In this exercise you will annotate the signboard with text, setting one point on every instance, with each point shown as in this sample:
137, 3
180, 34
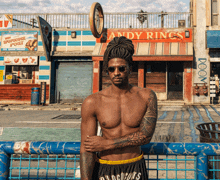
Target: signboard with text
20, 60
19, 41
6, 21
147, 35
1, 75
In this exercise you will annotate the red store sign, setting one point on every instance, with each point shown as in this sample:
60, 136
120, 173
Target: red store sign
147, 35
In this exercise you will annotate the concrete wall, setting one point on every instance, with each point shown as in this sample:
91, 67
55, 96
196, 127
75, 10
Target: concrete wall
63, 43
201, 68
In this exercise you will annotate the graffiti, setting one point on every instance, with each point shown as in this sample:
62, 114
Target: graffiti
202, 69
22, 147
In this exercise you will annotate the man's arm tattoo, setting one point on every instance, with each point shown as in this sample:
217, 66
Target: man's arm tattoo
147, 127
87, 162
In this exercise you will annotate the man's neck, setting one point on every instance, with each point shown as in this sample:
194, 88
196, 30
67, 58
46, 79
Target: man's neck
120, 90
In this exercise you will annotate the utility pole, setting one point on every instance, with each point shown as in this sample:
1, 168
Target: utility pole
33, 21
162, 18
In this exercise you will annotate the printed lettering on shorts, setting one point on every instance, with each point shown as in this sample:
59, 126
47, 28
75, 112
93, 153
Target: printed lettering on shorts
123, 176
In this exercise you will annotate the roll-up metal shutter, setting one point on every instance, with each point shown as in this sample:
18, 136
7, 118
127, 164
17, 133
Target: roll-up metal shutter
73, 81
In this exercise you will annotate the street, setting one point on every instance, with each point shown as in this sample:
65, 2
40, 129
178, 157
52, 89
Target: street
175, 124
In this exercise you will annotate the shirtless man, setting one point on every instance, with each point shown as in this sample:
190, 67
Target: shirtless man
127, 116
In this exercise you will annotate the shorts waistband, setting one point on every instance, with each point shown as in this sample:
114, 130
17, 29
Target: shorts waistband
102, 161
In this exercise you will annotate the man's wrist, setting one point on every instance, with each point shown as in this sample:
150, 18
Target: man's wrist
109, 144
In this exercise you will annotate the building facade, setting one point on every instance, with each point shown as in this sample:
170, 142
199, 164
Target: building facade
72, 64
163, 60
69, 59
23, 64
206, 69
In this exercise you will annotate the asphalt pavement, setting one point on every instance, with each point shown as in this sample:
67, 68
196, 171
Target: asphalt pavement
62, 122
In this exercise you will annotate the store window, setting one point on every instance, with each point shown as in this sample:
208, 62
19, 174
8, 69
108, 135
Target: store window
20, 74
215, 73
215, 12
215, 69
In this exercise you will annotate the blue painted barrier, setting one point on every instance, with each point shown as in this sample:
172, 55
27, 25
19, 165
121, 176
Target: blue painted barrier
200, 152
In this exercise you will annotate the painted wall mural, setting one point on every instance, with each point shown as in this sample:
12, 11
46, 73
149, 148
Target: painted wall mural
202, 70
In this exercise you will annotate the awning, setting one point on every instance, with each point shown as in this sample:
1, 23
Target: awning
154, 51
71, 53
213, 38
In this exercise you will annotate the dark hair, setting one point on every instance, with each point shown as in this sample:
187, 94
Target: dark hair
119, 47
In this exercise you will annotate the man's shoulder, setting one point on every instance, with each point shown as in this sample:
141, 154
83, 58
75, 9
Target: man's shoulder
90, 100
93, 99
145, 92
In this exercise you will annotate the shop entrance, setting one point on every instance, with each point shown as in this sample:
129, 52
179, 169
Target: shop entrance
175, 81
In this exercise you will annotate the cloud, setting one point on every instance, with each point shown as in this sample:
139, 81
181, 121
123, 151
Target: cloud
24, 6
145, 5
43, 6
83, 6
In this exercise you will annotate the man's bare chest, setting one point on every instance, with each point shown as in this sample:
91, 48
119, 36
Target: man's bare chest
121, 111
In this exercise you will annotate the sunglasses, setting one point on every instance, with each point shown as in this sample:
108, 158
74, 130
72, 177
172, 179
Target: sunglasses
120, 68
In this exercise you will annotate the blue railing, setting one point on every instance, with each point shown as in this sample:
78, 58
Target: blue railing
60, 160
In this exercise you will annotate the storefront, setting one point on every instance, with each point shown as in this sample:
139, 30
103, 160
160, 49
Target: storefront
213, 43
162, 61
24, 63
72, 66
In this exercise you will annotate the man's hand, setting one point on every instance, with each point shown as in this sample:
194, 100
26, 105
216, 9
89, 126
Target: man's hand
95, 144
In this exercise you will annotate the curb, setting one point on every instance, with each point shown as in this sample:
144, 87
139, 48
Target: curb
39, 108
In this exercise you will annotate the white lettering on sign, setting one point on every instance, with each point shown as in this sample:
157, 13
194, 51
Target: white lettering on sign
163, 35
149, 35
130, 35
95, 70
138, 35
122, 176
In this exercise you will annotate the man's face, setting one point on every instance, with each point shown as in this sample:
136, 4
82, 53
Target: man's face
118, 70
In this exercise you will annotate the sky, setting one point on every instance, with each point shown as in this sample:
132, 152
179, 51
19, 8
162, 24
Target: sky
83, 6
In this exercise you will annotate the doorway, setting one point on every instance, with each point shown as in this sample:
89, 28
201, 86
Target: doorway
175, 81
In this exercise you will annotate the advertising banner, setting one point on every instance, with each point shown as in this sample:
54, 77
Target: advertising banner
6, 21
1, 75
9, 76
20, 60
19, 41
46, 34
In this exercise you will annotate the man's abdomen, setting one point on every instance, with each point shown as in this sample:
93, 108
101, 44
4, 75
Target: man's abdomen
121, 154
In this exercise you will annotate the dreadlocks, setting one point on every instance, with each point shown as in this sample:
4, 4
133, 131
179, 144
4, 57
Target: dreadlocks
119, 47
